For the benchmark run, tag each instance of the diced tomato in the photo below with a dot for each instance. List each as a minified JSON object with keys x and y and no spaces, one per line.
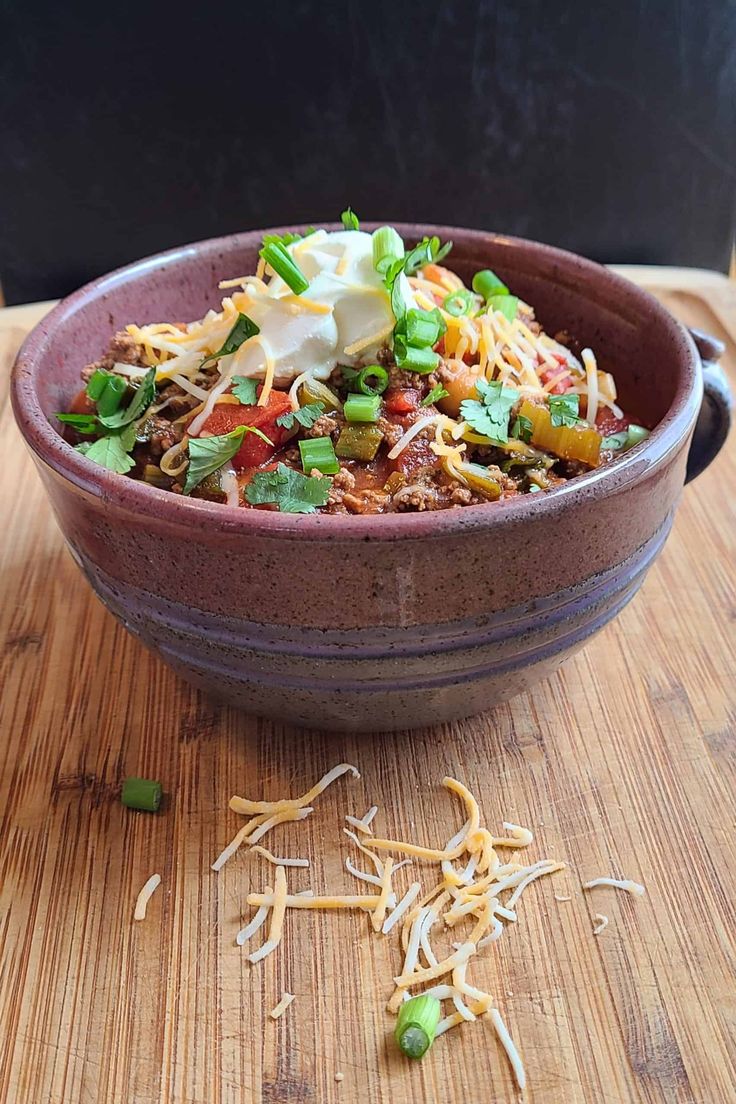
{"x":401,"y":402}
{"x":607,"y":423}
{"x":253,"y":452}
{"x":416,"y":457}
{"x":563,"y":379}
{"x":82,"y":404}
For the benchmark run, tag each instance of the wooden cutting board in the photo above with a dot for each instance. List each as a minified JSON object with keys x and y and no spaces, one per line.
{"x":623,"y":763}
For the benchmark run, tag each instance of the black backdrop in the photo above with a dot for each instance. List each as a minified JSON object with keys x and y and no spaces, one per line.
{"x":609,"y":128}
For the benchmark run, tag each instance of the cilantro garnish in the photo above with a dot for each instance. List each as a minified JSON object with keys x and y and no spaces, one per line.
{"x":83,"y":423}
{"x":616,"y":440}
{"x":112,"y":451}
{"x":144,"y":395}
{"x":245,"y":389}
{"x":293,"y":492}
{"x":522,"y":429}
{"x":489,"y":414}
{"x":563,"y":410}
{"x":437,"y":393}
{"x":207,"y":454}
{"x":306,"y":416}
{"x":244,"y":328}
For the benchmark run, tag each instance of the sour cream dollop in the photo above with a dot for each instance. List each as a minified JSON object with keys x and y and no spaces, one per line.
{"x":345,"y":305}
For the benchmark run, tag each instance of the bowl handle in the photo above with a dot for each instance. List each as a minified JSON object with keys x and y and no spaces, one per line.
{"x":714,"y":420}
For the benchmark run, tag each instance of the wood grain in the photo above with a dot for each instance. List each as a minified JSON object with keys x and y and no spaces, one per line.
{"x":623,"y":763}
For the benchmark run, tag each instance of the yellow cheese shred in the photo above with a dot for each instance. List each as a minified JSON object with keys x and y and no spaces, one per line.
{"x":278,"y":912}
{"x":242,"y":805}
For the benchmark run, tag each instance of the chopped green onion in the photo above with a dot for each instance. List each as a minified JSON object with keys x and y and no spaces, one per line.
{"x":636,"y":434}
{"x":349,"y":219}
{"x":275,"y":255}
{"x":112,"y":396}
{"x":359,"y":442}
{"x":422,"y":328}
{"x":97,"y":383}
{"x":487,"y":283}
{"x":417,"y":1024}
{"x":414,"y":360}
{"x":141,"y":793}
{"x":366,"y":375}
{"x":508,"y":305}
{"x":387,"y":248}
{"x":458,"y":302}
{"x":362,"y":408}
{"x":437,"y":393}
{"x":317,"y":452}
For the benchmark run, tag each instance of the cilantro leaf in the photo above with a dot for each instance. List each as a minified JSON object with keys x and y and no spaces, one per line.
{"x":83,"y":423}
{"x":563,"y":410}
{"x":244,"y":328}
{"x":306,"y":416}
{"x":616,"y":441}
{"x":349,"y":219}
{"x":293,"y":492}
{"x":490,"y":415}
{"x":522,"y":429}
{"x":109,"y":452}
{"x":437,"y":393}
{"x":207,"y":454}
{"x":144,"y":395}
{"x":245,"y":389}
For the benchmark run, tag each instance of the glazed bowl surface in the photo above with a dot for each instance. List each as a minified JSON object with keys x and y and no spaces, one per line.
{"x":372,"y":622}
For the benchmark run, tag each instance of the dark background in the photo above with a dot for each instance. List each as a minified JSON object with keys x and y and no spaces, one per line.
{"x":609,"y":128}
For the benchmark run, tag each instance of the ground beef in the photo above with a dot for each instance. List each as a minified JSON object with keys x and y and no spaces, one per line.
{"x":160,"y":434}
{"x":416,"y":497}
{"x":399,"y":379}
{"x":121,"y":350}
{"x":461,"y":496}
{"x":325,"y":426}
{"x":178,"y":402}
{"x":365,"y":502}
{"x":392,"y":433}
{"x":342,"y":484}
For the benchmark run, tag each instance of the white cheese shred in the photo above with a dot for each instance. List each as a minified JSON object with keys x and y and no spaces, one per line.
{"x":508,"y":1045}
{"x":145,"y":895}
{"x":625,"y":884}
{"x":601,"y":923}
{"x":281,"y":1007}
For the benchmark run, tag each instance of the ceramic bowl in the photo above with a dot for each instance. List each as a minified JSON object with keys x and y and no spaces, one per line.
{"x":376,"y":622}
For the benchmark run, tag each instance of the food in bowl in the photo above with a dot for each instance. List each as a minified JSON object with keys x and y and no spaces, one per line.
{"x":351,"y":375}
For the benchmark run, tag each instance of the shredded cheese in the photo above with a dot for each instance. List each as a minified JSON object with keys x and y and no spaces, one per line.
{"x":281,"y":1007}
{"x":278,"y":912}
{"x":601,"y":923}
{"x":628,"y":886}
{"x":366,"y":342}
{"x":409,"y":897}
{"x":277,"y":861}
{"x":242,"y":805}
{"x":145,"y":895}
{"x":508,"y":1045}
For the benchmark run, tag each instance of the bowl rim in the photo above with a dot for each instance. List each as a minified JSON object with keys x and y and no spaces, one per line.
{"x":140,"y":499}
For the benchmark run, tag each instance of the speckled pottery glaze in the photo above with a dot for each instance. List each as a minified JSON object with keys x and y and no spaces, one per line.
{"x":375,"y":622}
